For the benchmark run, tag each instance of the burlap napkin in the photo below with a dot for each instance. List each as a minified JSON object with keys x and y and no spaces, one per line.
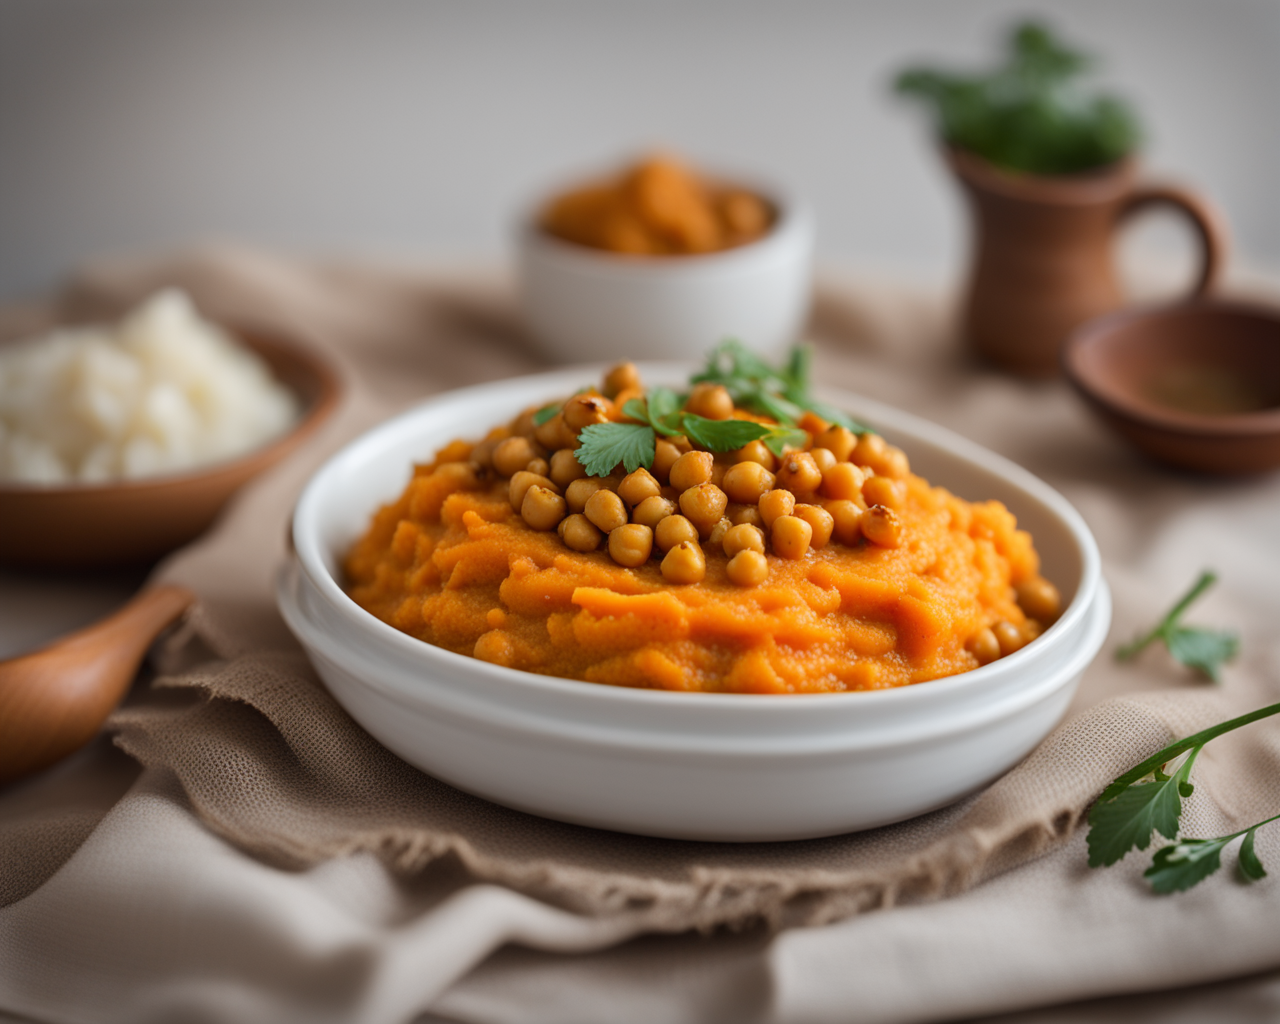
{"x":270,"y":762}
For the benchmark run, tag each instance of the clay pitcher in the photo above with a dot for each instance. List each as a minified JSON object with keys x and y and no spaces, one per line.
{"x":1043,"y":254}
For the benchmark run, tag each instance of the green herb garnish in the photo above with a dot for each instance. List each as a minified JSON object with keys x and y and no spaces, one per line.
{"x":1202,"y":649}
{"x":1030,"y":115}
{"x":1144,"y":800}
{"x":547,"y":413}
{"x":604,"y":445}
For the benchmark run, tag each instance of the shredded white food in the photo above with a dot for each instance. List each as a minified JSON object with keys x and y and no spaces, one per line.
{"x":161,"y":392}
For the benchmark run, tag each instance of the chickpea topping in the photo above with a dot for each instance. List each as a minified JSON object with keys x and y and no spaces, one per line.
{"x":839,"y":441}
{"x":540,"y":466}
{"x":1039,"y":599}
{"x":775,"y":503}
{"x":747,"y":482}
{"x":674,"y":529}
{"x":637,"y":486}
{"x":630,"y":544}
{"x":555,"y":433}
{"x":716,"y":536}
{"x":652,"y":511}
{"x":718,"y":470}
{"x":843,"y":480}
{"x":756,"y":451}
{"x":883,"y":490}
{"x":542,"y":508}
{"x":882,"y":526}
{"x":606,"y":511}
{"x":1009,"y":637}
{"x":710,"y":400}
{"x":684,"y":563}
{"x":799,"y":473}
{"x":581,"y":411}
{"x":482,"y":454}
{"x":579,"y":533}
{"x":820,"y":521}
{"x":664,"y":457}
{"x":747,"y":569}
{"x":578,"y":491}
{"x":622,"y":377}
{"x":894,"y":463}
{"x":743,"y":537}
{"x":824,"y":459}
{"x":846,"y":519}
{"x":868,"y":449}
{"x":790,"y":536}
{"x":691,"y":469}
{"x":704,"y":506}
{"x":748,"y":515}
{"x":522,"y":425}
{"x":521,"y":482}
{"x":565,"y":467}
{"x":984,"y":646}
{"x":514,"y":454}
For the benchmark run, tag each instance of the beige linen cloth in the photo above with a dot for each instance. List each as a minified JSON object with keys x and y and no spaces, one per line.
{"x":272,"y":862}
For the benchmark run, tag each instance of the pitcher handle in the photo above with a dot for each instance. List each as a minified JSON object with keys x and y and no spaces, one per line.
{"x":1209,"y":224}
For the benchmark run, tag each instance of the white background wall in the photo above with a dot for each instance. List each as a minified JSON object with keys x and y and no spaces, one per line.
{"x":422,"y":128}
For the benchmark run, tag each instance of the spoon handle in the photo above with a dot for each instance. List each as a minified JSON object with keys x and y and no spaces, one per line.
{"x":54,"y":700}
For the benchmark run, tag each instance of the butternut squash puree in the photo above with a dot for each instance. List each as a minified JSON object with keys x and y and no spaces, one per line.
{"x":452,"y":564}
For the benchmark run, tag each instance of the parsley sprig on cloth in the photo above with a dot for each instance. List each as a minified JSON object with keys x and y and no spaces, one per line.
{"x":1202,"y":649}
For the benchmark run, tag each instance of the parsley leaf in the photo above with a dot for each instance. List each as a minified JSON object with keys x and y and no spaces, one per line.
{"x":782,"y":438}
{"x":1128,"y":820}
{"x":547,"y":413}
{"x":1202,"y":649}
{"x":1251,"y":868}
{"x":1178,"y":867}
{"x":604,"y":445}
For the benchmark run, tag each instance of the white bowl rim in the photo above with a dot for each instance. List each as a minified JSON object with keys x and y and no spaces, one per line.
{"x":307,"y":549}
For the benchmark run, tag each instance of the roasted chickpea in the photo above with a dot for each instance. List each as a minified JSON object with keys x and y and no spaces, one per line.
{"x":685,"y":563}
{"x":630,"y":544}
{"x":555,"y":433}
{"x":893,"y":463}
{"x":514,"y":454}
{"x":711,"y":401}
{"x":838,"y":440}
{"x":673,"y":530}
{"x":883,"y":490}
{"x":775,"y":503}
{"x":756,"y":451}
{"x":578,"y":491}
{"x":846,"y":518}
{"x":820,"y":521}
{"x":565,"y":467}
{"x":637,"y":486}
{"x":521,"y":482}
{"x":716,"y":536}
{"x":718,"y":470}
{"x":799,"y":473}
{"x":540,"y":466}
{"x":984,"y":646}
{"x":652,"y":511}
{"x":606,"y":510}
{"x":747,"y":482}
{"x":1009,"y":637}
{"x":522,"y":425}
{"x":622,"y":377}
{"x":741,"y":515}
{"x":542,"y":508}
{"x":823,"y":458}
{"x":579,"y":533}
{"x":747,"y":569}
{"x":703,"y":506}
{"x":868,"y":449}
{"x":581,"y":411}
{"x":482,"y":454}
{"x":664,"y":457}
{"x":843,"y":480}
{"x":743,"y":538}
{"x":1039,"y":599}
{"x":882,"y":526}
{"x":790,"y":536}
{"x":691,"y":469}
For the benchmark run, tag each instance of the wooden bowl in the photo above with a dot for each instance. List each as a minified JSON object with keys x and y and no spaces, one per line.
{"x":1194,"y":385}
{"x":132,"y":522}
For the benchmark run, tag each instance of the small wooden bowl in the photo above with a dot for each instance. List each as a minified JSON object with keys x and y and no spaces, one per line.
{"x":1194,"y":385}
{"x":132,"y":522}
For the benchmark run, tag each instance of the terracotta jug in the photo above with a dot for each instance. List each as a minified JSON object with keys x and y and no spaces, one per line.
{"x":1043,"y":254}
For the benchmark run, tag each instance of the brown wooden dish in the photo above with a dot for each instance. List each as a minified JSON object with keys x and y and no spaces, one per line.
{"x":1194,"y":385}
{"x":131,"y":522}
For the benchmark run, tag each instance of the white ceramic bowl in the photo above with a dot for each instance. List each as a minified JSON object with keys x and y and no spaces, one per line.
{"x":684,"y":765}
{"x":587,"y":304}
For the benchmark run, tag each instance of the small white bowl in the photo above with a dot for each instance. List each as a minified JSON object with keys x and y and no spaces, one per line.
{"x":684,"y":765}
{"x":588,"y":304}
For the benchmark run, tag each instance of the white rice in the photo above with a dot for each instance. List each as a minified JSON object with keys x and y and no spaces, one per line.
{"x":161,"y":392}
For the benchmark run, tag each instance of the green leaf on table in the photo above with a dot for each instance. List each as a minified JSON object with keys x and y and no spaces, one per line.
{"x":547,"y":413}
{"x":1178,"y":867}
{"x":1202,"y":649}
{"x":1126,"y":821}
{"x":1251,"y":869}
{"x":604,"y":445}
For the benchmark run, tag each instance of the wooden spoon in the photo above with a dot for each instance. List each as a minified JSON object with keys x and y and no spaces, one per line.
{"x":54,"y":701}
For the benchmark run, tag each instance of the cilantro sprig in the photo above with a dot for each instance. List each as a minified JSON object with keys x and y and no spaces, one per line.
{"x":1203,"y":649}
{"x":1145,"y":800}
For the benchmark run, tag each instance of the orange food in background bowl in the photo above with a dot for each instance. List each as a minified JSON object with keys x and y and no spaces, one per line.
{"x":659,"y":207}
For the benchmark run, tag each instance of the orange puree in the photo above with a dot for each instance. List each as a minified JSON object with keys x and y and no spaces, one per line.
{"x":454,"y":564}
